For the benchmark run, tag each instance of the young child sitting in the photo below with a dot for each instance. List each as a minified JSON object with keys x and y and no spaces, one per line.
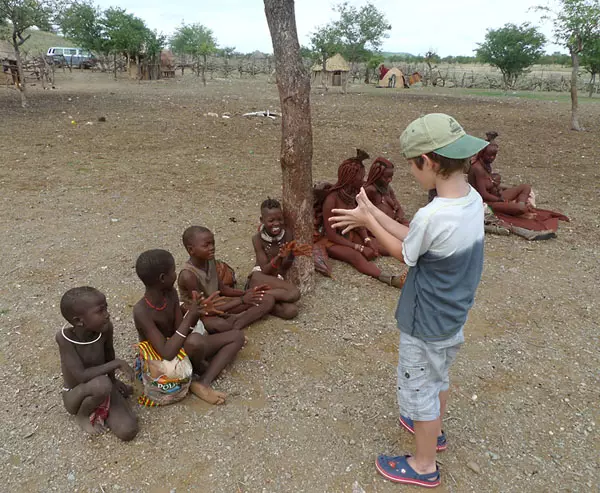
{"x":158,"y":320}
{"x":444,"y":249}
{"x":88,"y":364}
{"x":275,"y":250}
{"x":199,"y":274}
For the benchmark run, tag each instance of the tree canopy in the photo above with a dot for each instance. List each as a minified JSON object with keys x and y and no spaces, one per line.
{"x":195,"y":40}
{"x":512,"y":49}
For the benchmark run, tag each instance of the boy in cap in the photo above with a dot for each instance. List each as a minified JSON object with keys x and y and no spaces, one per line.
{"x":444,"y":250}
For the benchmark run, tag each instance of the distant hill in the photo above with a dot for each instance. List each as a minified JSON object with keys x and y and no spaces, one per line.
{"x":40,"y":41}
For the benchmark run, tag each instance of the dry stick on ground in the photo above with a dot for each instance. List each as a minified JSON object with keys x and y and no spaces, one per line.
{"x":293,"y":83}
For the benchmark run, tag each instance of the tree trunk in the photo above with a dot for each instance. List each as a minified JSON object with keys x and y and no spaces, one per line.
{"x":204,"y":70}
{"x":293,"y":83}
{"x":592,"y":83}
{"x":115,"y":65}
{"x":574,"y":102}
{"x":20,"y":73}
{"x":324,"y":72}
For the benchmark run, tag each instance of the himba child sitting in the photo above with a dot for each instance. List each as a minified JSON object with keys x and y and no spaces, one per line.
{"x":199,"y":274}
{"x":356,"y":247}
{"x":275,"y":249}
{"x":159,"y":320}
{"x":444,"y":249}
{"x":87,"y":359}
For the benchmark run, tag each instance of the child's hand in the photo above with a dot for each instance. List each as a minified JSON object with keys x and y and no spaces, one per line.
{"x":302,"y":250}
{"x":255,"y":295}
{"x":368,"y":253}
{"x":210,"y":306}
{"x":125,"y":369}
{"x":352,"y":218}
{"x":373,"y":245}
{"x":124,"y":389}
{"x":286,"y":249}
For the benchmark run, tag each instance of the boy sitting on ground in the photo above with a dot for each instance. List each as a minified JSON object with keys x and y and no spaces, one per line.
{"x":158,"y":320}
{"x":275,"y":249}
{"x":199,"y":274}
{"x":87,"y":359}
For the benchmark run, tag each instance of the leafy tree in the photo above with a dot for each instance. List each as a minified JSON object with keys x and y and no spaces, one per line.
{"x":195,"y":40}
{"x":372,"y":64}
{"x":512,"y":49}
{"x":82,"y":22}
{"x":590,"y":60}
{"x":576,"y":24}
{"x":18,"y":16}
{"x":324,"y":43}
{"x":362,"y":31}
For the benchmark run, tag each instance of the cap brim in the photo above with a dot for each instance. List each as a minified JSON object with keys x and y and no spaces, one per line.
{"x":462,"y":148}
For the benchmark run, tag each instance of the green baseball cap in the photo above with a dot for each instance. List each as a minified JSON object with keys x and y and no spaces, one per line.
{"x":439,"y":133}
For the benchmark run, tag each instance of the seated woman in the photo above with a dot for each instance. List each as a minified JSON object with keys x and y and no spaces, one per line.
{"x":379,"y":190}
{"x":355,"y":248}
{"x":514,"y":207}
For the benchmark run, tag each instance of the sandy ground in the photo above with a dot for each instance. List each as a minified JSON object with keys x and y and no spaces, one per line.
{"x":312,"y":401}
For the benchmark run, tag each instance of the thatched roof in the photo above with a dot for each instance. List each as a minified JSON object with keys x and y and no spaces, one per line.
{"x":6,"y":51}
{"x":333,"y":64}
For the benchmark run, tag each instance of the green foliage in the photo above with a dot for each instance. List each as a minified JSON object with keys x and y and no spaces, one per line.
{"x":512,"y":49}
{"x":361,"y":30}
{"x":324,"y":43}
{"x":557,"y":58}
{"x":575,"y":24}
{"x":111,"y":31}
{"x":16,"y":16}
{"x":590,"y":56}
{"x":193,"y":39}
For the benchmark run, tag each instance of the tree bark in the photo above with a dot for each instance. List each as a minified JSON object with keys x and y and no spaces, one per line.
{"x":204,"y":70}
{"x":20,"y":73}
{"x":293,"y":83}
{"x":592,"y":83}
{"x":115,"y":65}
{"x":324,"y":72}
{"x":574,"y":102}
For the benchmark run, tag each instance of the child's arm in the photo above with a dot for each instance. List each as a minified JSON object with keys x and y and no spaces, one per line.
{"x":167,"y":349}
{"x":390,"y":225}
{"x":266,"y":265}
{"x":71,"y":360}
{"x":109,"y":355}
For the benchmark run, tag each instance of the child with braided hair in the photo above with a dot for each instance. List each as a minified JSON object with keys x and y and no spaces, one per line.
{"x":356,"y":247}
{"x":275,"y":250}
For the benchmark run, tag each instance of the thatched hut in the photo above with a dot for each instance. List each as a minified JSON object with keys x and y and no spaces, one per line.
{"x":8,"y":63}
{"x":336,"y":71}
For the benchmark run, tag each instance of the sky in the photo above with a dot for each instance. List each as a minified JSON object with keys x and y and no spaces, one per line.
{"x":445,"y":26}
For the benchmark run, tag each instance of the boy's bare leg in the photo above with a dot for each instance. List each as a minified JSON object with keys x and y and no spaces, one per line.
{"x":248,"y":314}
{"x":218,"y":324}
{"x":121,"y":419}
{"x":219,"y":350}
{"x":85,"y":398}
{"x":281,"y":290}
{"x":443,"y":402}
{"x":286,"y":311}
{"x":426,"y":433}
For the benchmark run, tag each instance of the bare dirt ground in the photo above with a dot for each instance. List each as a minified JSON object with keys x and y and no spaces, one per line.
{"x":312,"y":401}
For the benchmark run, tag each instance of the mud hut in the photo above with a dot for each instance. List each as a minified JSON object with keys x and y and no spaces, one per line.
{"x":8,"y":63}
{"x":336,"y":71}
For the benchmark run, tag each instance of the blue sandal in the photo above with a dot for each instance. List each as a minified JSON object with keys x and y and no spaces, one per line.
{"x":409,"y":425}
{"x":398,"y":470}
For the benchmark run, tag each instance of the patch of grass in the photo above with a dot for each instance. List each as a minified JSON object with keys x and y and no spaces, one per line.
{"x":4,"y":311}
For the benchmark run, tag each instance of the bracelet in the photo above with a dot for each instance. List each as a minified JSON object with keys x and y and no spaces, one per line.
{"x":274,"y":262}
{"x":366,"y":240}
{"x":180,"y":334}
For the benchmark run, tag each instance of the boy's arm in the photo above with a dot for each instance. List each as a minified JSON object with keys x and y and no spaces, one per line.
{"x":288,"y":260}
{"x":167,"y":349}
{"x":71,"y":360}
{"x":382,"y":220}
{"x":109,"y":350}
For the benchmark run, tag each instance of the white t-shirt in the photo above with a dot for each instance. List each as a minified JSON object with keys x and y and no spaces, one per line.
{"x":444,"y":250}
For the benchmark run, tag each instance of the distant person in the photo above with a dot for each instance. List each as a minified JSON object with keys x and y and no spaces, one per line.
{"x":514,"y":207}
{"x":87,"y":359}
{"x":444,"y":249}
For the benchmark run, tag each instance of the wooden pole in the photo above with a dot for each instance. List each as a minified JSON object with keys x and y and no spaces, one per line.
{"x":293,"y":83}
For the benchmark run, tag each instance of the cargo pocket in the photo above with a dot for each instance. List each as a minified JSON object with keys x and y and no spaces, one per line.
{"x":413,"y":377}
